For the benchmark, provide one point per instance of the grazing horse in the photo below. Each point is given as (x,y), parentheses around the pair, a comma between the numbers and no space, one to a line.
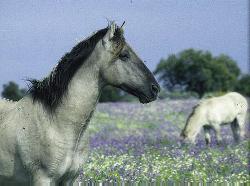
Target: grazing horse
(42,140)
(213,112)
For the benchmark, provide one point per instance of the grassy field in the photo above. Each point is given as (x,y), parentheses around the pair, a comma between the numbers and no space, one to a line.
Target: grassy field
(135,142)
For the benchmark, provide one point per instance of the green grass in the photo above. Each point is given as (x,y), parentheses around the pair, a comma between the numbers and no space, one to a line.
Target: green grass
(134,143)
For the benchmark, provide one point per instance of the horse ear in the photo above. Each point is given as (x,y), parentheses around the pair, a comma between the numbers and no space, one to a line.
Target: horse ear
(122,27)
(111,32)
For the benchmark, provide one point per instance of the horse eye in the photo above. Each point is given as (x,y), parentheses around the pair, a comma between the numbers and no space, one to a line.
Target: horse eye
(124,56)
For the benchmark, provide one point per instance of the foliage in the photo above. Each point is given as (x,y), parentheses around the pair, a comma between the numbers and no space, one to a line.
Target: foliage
(112,94)
(213,94)
(177,94)
(198,71)
(12,91)
(129,142)
(243,85)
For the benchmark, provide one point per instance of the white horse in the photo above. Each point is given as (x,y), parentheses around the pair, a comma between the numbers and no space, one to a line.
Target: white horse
(213,112)
(42,139)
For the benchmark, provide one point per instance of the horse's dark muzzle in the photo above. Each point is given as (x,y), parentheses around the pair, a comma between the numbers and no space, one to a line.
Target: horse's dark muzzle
(151,95)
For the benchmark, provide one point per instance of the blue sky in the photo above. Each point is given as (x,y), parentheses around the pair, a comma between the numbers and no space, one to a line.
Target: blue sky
(34,35)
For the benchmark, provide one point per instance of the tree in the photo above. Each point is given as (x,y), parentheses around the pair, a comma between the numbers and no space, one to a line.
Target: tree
(111,94)
(198,71)
(243,85)
(12,91)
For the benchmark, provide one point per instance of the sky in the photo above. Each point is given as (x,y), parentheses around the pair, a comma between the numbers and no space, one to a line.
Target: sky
(34,35)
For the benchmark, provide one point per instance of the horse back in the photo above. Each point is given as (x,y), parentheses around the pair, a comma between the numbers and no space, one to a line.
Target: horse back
(224,109)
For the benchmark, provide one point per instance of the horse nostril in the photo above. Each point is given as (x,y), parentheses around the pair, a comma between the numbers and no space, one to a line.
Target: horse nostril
(155,89)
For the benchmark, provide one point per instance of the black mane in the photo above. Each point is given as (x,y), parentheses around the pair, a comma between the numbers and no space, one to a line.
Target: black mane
(193,112)
(51,89)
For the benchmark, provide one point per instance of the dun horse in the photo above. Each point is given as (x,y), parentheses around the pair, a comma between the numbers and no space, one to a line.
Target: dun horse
(214,112)
(42,137)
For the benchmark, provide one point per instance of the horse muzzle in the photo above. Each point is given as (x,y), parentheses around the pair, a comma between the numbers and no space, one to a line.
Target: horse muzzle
(152,94)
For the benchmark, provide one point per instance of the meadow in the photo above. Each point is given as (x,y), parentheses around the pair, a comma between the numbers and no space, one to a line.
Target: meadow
(137,143)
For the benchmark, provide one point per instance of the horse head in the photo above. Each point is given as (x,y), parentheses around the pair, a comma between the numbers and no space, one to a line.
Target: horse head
(122,67)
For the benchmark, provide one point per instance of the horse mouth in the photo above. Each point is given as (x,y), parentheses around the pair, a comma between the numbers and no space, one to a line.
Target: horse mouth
(143,98)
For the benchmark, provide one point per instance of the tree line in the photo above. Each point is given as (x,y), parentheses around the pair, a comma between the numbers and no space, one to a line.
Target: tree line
(193,71)
(200,72)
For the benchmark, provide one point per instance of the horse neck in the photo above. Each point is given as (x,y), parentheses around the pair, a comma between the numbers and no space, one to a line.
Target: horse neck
(194,123)
(81,99)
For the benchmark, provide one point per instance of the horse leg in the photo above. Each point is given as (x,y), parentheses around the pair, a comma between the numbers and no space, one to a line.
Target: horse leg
(207,134)
(241,122)
(70,182)
(236,130)
(41,179)
(218,134)
(68,179)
